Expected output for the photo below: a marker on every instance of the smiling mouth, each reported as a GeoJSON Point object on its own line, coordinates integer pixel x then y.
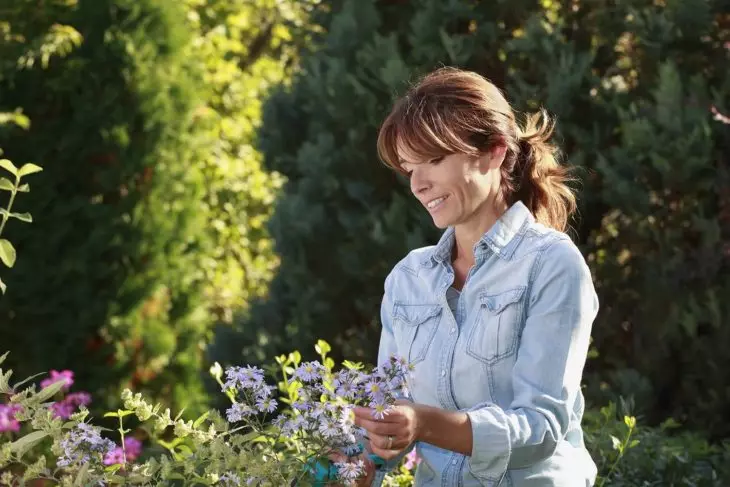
{"type": "Point", "coordinates": [433, 204]}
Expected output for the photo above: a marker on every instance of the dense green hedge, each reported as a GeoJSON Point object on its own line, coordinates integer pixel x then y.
{"type": "Point", "coordinates": [108, 284]}
{"type": "Point", "coordinates": [632, 85]}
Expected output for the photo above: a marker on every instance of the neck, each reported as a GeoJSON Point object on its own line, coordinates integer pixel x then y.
{"type": "Point", "coordinates": [468, 233]}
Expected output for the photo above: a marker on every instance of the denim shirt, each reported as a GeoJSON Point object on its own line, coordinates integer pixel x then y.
{"type": "Point", "coordinates": [510, 354]}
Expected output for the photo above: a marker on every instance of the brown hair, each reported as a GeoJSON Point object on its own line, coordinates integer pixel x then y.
{"type": "Point", "coordinates": [454, 111]}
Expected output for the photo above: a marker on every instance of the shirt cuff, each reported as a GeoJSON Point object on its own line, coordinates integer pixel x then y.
{"type": "Point", "coordinates": [491, 448]}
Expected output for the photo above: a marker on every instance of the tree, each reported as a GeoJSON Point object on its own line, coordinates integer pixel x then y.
{"type": "Point", "coordinates": [108, 284]}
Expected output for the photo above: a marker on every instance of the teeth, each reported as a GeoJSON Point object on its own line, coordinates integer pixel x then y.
{"type": "Point", "coordinates": [432, 204]}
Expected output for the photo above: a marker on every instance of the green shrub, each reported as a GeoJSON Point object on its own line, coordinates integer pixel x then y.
{"type": "Point", "coordinates": [108, 284]}
{"type": "Point", "coordinates": [631, 454]}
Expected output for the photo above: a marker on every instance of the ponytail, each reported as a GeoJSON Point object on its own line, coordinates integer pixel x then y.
{"type": "Point", "coordinates": [537, 179]}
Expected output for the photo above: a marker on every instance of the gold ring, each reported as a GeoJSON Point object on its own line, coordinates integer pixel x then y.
{"type": "Point", "coordinates": [390, 442]}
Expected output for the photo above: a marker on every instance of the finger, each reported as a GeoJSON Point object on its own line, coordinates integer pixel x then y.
{"type": "Point", "coordinates": [362, 412]}
{"type": "Point", "coordinates": [385, 454]}
{"type": "Point", "coordinates": [379, 427]}
{"type": "Point", "coordinates": [392, 415]}
{"type": "Point", "coordinates": [383, 443]}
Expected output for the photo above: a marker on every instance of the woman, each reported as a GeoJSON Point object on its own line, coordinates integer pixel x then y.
{"type": "Point", "coordinates": [496, 317]}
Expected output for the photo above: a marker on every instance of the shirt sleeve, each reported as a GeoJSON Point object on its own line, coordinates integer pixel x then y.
{"type": "Point", "coordinates": [386, 349]}
{"type": "Point", "coordinates": [548, 370]}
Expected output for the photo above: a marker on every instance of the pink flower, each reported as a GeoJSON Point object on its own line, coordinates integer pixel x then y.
{"type": "Point", "coordinates": [65, 408]}
{"type": "Point", "coordinates": [65, 375]}
{"type": "Point", "coordinates": [7, 418]}
{"type": "Point", "coordinates": [116, 456]}
{"type": "Point", "coordinates": [133, 447]}
{"type": "Point", "coordinates": [412, 459]}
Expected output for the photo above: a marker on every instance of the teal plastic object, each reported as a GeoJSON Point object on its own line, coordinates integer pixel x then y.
{"type": "Point", "coordinates": [325, 474]}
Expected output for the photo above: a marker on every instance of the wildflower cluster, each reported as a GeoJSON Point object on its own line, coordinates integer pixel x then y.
{"type": "Point", "coordinates": [83, 445]}
{"type": "Point", "coordinates": [321, 406]}
{"type": "Point", "coordinates": [312, 421]}
{"type": "Point", "coordinates": [11, 415]}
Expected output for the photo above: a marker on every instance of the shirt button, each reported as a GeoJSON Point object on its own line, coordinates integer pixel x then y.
{"type": "Point", "coordinates": [443, 373]}
{"type": "Point", "coordinates": [453, 462]}
{"type": "Point", "coordinates": [453, 329]}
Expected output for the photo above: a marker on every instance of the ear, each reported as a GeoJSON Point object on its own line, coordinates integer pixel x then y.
{"type": "Point", "coordinates": [494, 157]}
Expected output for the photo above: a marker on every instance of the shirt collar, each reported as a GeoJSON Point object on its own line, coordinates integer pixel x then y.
{"type": "Point", "coordinates": [501, 238]}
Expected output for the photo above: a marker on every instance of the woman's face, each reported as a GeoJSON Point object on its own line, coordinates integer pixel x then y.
{"type": "Point", "coordinates": [456, 188]}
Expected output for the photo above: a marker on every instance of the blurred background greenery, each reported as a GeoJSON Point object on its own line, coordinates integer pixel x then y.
{"type": "Point", "coordinates": [211, 189]}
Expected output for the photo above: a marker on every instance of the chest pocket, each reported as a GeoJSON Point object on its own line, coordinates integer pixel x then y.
{"type": "Point", "coordinates": [415, 326]}
{"type": "Point", "coordinates": [495, 333]}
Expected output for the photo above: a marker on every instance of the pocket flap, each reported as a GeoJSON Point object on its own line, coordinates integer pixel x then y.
{"type": "Point", "coordinates": [415, 314]}
{"type": "Point", "coordinates": [498, 301]}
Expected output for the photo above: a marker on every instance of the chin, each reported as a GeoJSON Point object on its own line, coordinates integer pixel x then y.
{"type": "Point", "coordinates": [441, 223]}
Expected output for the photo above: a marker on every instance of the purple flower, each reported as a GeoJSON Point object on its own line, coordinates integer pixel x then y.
{"type": "Point", "coordinates": [328, 428]}
{"type": "Point", "coordinates": [116, 456]}
{"type": "Point", "coordinates": [133, 446]}
{"type": "Point", "coordinates": [280, 421]}
{"type": "Point", "coordinates": [65, 408]}
{"type": "Point", "coordinates": [66, 376]}
{"type": "Point", "coordinates": [350, 471]}
{"type": "Point", "coordinates": [7, 418]}
{"type": "Point", "coordinates": [243, 378]}
{"type": "Point", "coordinates": [375, 390]}
{"type": "Point", "coordinates": [81, 444]}
{"type": "Point", "coordinates": [266, 405]}
{"type": "Point", "coordinates": [239, 411]}
{"type": "Point", "coordinates": [230, 479]}
{"type": "Point", "coordinates": [294, 425]}
{"type": "Point", "coordinates": [309, 371]}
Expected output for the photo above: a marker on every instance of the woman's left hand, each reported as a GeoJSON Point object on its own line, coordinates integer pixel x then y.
{"type": "Point", "coordinates": [391, 435]}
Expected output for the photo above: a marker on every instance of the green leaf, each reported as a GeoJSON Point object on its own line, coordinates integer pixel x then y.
{"type": "Point", "coordinates": [50, 390]}
{"type": "Point", "coordinates": [9, 166]}
{"type": "Point", "coordinates": [21, 446]}
{"type": "Point", "coordinates": [7, 252]}
{"type": "Point", "coordinates": [322, 347]}
{"type": "Point", "coordinates": [3, 357]}
{"type": "Point", "coordinates": [5, 381]}
{"type": "Point", "coordinates": [28, 379]}
{"type": "Point", "coordinates": [82, 474]}
{"type": "Point", "coordinates": [29, 168]}
{"type": "Point", "coordinates": [3, 287]}
{"type": "Point", "coordinates": [179, 415]}
{"type": "Point", "coordinates": [295, 357]}
{"type": "Point", "coordinates": [185, 449]}
{"type": "Point", "coordinates": [24, 217]}
{"type": "Point", "coordinates": [200, 420]}
{"type": "Point", "coordinates": [630, 421]}
{"type": "Point", "coordinates": [24, 188]}
{"type": "Point", "coordinates": [633, 443]}
{"type": "Point", "coordinates": [111, 415]}
{"type": "Point", "coordinates": [352, 365]}
{"type": "Point", "coordinates": [6, 184]}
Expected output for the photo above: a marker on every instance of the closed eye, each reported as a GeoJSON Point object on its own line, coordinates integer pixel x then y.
{"type": "Point", "coordinates": [436, 160]}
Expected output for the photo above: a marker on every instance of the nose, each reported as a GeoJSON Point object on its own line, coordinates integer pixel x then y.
{"type": "Point", "coordinates": [419, 183]}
